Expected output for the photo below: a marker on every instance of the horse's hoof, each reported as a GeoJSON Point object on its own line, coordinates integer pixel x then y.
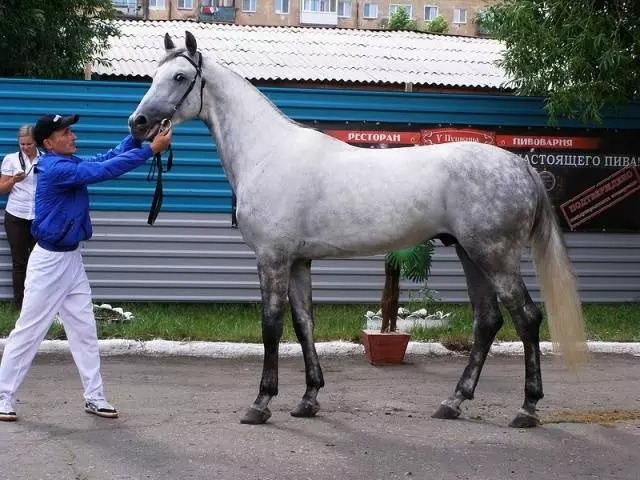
{"type": "Point", "coordinates": [306, 409]}
{"type": "Point", "coordinates": [525, 420]}
{"type": "Point", "coordinates": [446, 412]}
{"type": "Point", "coordinates": [255, 416]}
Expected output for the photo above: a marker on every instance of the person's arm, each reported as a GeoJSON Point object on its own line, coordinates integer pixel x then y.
{"type": "Point", "coordinates": [71, 174]}
{"type": "Point", "coordinates": [7, 182]}
{"type": "Point", "coordinates": [10, 174]}
{"type": "Point", "coordinates": [129, 143]}
{"type": "Point", "coordinates": [67, 173]}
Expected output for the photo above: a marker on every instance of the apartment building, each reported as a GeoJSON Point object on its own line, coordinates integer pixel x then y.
{"type": "Point", "coordinates": [361, 14]}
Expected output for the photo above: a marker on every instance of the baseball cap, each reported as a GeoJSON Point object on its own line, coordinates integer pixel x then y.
{"type": "Point", "coordinates": [48, 124]}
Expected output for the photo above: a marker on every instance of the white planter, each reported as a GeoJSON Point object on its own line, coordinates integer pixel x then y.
{"type": "Point", "coordinates": [416, 319]}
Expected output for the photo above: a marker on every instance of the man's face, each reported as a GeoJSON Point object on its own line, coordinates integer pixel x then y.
{"type": "Point", "coordinates": [62, 142]}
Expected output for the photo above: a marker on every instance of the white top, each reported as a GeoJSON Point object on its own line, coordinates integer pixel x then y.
{"type": "Point", "coordinates": [21, 202]}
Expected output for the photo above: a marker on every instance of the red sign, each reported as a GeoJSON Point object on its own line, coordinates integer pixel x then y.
{"type": "Point", "coordinates": [533, 141]}
{"type": "Point", "coordinates": [376, 136]}
{"type": "Point", "coordinates": [601, 196]}
{"type": "Point", "coordinates": [448, 135]}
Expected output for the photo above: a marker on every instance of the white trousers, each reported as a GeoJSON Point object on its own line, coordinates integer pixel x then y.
{"type": "Point", "coordinates": [56, 283]}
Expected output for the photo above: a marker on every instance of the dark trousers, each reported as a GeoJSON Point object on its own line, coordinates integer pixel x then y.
{"type": "Point", "coordinates": [21, 243]}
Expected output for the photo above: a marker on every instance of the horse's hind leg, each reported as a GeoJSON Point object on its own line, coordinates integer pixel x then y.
{"type": "Point", "coordinates": [274, 280]}
{"type": "Point", "coordinates": [487, 320]}
{"type": "Point", "coordinates": [527, 319]}
{"type": "Point", "coordinates": [302, 313]}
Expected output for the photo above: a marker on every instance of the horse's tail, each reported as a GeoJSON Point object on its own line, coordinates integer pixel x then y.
{"type": "Point", "coordinates": [557, 282]}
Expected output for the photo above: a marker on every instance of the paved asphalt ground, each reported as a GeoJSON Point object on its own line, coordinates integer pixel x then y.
{"type": "Point", "coordinates": [180, 420]}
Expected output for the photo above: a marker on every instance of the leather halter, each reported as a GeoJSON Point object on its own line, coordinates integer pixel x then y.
{"type": "Point", "coordinates": [156, 166]}
{"type": "Point", "coordinates": [198, 68]}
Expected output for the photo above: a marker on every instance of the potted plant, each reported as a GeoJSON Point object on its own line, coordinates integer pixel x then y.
{"type": "Point", "coordinates": [388, 346]}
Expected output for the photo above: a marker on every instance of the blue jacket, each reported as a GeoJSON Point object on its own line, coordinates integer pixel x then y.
{"type": "Point", "coordinates": [62, 200]}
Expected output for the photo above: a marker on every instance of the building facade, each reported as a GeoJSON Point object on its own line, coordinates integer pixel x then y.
{"type": "Point", "coordinates": [460, 15]}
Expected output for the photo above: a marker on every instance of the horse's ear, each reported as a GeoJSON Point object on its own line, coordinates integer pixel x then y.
{"type": "Point", "coordinates": [191, 43]}
{"type": "Point", "coordinates": [168, 43]}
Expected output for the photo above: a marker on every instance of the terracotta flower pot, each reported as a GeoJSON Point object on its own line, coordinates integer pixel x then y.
{"type": "Point", "coordinates": [384, 348]}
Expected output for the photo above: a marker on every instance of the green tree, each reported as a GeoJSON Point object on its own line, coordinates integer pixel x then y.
{"type": "Point", "coordinates": [53, 38]}
{"type": "Point", "coordinates": [582, 55]}
{"type": "Point", "coordinates": [400, 20]}
{"type": "Point", "coordinates": [437, 25]}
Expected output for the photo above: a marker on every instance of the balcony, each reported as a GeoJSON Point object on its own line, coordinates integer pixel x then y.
{"type": "Point", "coordinates": [217, 14]}
{"type": "Point", "coordinates": [319, 18]}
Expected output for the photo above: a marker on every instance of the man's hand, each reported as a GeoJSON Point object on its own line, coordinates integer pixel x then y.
{"type": "Point", "coordinates": [161, 141]}
{"type": "Point", "coordinates": [18, 177]}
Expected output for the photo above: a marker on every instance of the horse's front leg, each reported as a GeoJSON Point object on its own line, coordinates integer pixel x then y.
{"type": "Point", "coordinates": [274, 280]}
{"type": "Point", "coordinates": [302, 313]}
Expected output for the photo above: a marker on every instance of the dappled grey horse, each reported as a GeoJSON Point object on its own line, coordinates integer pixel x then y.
{"type": "Point", "coordinates": [303, 195]}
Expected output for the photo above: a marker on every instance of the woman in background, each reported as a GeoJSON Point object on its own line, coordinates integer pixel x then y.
{"type": "Point", "coordinates": [18, 180]}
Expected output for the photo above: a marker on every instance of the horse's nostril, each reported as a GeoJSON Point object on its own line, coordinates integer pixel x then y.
{"type": "Point", "coordinates": [140, 120]}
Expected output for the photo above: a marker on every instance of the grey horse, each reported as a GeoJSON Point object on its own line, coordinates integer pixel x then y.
{"type": "Point", "coordinates": [303, 195]}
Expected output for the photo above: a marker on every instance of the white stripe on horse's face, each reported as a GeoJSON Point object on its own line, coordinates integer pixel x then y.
{"type": "Point", "coordinates": [170, 83]}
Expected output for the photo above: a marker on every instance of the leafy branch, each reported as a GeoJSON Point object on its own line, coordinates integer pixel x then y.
{"type": "Point", "coordinates": [583, 56]}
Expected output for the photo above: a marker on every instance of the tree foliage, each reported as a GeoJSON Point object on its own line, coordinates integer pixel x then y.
{"type": "Point", "coordinates": [414, 263]}
{"type": "Point", "coordinates": [437, 25]}
{"type": "Point", "coordinates": [400, 20]}
{"type": "Point", "coordinates": [53, 38]}
{"type": "Point", "coordinates": [582, 55]}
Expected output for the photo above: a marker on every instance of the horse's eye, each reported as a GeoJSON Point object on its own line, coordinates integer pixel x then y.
{"type": "Point", "coordinates": [179, 77]}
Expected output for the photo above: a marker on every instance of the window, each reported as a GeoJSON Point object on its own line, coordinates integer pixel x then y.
{"type": "Point", "coordinates": [344, 8]}
{"type": "Point", "coordinates": [370, 10]}
{"type": "Point", "coordinates": [249, 5]}
{"type": "Point", "coordinates": [430, 13]}
{"type": "Point", "coordinates": [459, 15]}
{"type": "Point", "coordinates": [395, 6]}
{"type": "Point", "coordinates": [282, 6]}
{"type": "Point", "coordinates": [124, 3]}
{"type": "Point", "coordinates": [319, 6]}
{"type": "Point", "coordinates": [156, 3]}
{"type": "Point", "coordinates": [185, 4]}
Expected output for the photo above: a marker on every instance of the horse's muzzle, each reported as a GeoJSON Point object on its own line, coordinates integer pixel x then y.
{"type": "Point", "coordinates": [141, 128]}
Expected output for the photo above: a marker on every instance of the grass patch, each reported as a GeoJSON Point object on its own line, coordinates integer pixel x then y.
{"type": "Point", "coordinates": [241, 323]}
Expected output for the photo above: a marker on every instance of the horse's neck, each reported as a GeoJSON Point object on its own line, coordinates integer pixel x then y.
{"type": "Point", "coordinates": [248, 129]}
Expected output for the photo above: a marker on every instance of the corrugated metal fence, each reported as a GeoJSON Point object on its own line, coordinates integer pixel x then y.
{"type": "Point", "coordinates": [193, 254]}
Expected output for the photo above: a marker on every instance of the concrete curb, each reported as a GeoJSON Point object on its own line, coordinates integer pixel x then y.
{"type": "Point", "coordinates": [236, 350]}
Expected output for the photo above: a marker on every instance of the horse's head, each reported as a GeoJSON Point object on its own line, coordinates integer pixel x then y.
{"type": "Point", "coordinates": [176, 90]}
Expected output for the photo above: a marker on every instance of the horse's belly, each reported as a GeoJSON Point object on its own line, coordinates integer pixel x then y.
{"type": "Point", "coordinates": [378, 238]}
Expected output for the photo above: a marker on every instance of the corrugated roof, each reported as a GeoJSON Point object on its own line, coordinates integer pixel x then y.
{"type": "Point", "coordinates": [315, 54]}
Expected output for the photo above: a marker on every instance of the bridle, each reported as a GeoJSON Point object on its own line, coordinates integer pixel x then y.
{"type": "Point", "coordinates": [165, 124]}
{"type": "Point", "coordinates": [198, 68]}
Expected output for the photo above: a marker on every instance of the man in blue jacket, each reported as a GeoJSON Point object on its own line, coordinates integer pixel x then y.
{"type": "Point", "coordinates": [56, 281]}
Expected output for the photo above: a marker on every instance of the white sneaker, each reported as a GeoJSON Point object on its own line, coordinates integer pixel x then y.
{"type": "Point", "coordinates": [101, 408]}
{"type": "Point", "coordinates": [7, 410]}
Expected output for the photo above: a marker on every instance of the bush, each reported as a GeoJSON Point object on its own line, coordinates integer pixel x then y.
{"type": "Point", "coordinates": [400, 20]}
{"type": "Point", "coordinates": [437, 25]}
